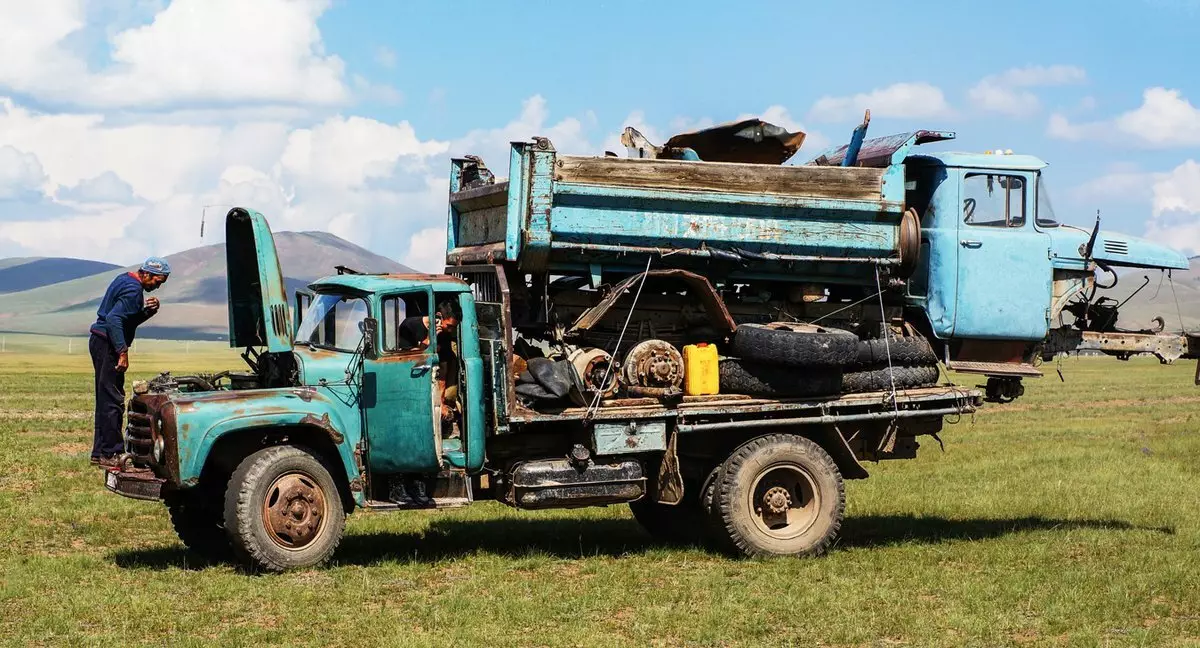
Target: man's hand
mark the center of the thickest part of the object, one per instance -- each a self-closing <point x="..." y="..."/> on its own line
<point x="123" y="362"/>
<point x="152" y="305"/>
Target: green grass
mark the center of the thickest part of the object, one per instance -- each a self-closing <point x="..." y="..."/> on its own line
<point x="1066" y="518"/>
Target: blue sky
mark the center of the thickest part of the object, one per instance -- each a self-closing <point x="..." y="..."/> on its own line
<point x="123" y="118"/>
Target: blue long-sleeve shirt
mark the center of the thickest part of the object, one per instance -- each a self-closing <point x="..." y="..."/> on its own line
<point x="121" y="311"/>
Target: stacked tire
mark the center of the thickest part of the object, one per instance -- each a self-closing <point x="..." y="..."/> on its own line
<point x="788" y="360"/>
<point x="899" y="362"/>
<point x="802" y="360"/>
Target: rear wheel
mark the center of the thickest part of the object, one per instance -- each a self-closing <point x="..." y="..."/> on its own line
<point x="779" y="495"/>
<point x="283" y="510"/>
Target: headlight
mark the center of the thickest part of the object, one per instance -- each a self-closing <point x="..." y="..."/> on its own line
<point x="159" y="445"/>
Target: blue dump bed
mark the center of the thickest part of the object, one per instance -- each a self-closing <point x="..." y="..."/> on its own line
<point x="563" y="214"/>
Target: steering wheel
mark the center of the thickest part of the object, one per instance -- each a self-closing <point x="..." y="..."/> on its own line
<point x="968" y="208"/>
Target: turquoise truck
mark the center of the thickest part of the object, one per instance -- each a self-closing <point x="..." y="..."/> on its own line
<point x="696" y="330"/>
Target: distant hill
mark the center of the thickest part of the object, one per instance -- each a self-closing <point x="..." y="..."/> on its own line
<point x="19" y="274"/>
<point x="194" y="299"/>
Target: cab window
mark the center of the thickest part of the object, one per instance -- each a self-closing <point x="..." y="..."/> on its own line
<point x="405" y="327"/>
<point x="991" y="200"/>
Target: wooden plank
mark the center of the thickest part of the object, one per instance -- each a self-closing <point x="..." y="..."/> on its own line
<point x="844" y="183"/>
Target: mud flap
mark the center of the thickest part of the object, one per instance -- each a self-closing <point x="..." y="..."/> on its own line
<point x="670" y="482"/>
<point x="835" y="444"/>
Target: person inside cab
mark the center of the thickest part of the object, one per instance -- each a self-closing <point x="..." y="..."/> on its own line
<point x="414" y="333"/>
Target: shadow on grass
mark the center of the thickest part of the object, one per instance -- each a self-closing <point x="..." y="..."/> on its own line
<point x="576" y="538"/>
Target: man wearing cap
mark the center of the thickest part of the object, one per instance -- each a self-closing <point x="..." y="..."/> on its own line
<point x="121" y="311"/>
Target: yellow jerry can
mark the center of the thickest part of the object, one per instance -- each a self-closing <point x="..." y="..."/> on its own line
<point x="700" y="376"/>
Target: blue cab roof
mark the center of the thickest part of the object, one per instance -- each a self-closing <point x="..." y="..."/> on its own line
<point x="986" y="160"/>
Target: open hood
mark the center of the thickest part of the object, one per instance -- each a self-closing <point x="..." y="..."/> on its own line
<point x="258" y="304"/>
<point x="1115" y="249"/>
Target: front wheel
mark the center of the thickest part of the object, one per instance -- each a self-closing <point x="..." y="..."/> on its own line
<point x="283" y="510"/>
<point x="779" y="495"/>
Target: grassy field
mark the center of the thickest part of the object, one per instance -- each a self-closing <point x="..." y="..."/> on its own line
<point x="1067" y="518"/>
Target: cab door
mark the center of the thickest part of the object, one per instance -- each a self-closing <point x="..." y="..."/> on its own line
<point x="1004" y="274"/>
<point x="398" y="391"/>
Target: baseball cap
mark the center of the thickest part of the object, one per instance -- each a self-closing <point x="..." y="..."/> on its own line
<point x="157" y="265"/>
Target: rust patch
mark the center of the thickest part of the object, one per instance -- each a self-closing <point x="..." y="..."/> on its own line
<point x="324" y="423"/>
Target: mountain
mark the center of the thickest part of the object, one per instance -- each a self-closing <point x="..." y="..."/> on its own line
<point x="19" y="274"/>
<point x="194" y="305"/>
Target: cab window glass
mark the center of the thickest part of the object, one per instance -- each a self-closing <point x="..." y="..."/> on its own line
<point x="405" y="326"/>
<point x="991" y="200"/>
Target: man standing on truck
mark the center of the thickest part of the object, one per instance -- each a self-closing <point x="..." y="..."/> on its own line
<point x="121" y="311"/>
<point x="414" y="332"/>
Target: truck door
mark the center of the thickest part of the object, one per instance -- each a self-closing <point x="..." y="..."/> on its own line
<point x="1004" y="274"/>
<point x="398" y="391"/>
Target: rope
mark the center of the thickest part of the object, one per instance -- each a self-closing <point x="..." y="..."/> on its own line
<point x="1178" y="310"/>
<point x="887" y="347"/>
<point x="879" y="294"/>
<point x="620" y="338"/>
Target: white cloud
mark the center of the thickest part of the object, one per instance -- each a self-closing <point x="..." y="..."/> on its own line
<point x="1165" y="119"/>
<point x="899" y="100"/>
<point x="1123" y="184"/>
<point x="427" y="250"/>
<point x="1007" y="92"/>
<point x="107" y="187"/>
<point x="493" y="145"/>
<point x="1175" y="219"/>
<point x="21" y="174"/>
<point x="192" y="51"/>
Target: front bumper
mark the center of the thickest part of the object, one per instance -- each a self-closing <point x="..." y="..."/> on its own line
<point x="138" y="483"/>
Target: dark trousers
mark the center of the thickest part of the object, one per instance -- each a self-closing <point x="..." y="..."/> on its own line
<point x="110" y="398"/>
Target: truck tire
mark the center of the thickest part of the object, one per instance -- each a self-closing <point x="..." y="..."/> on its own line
<point x="780" y="495"/>
<point x="905" y="351"/>
<point x="854" y="382"/>
<point x="795" y="345"/>
<point x="757" y="379"/>
<point x="197" y="520"/>
<point x="283" y="510"/>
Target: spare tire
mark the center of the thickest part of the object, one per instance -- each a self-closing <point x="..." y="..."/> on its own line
<point x="758" y="379"/>
<point x="878" y="380"/>
<point x="905" y="351"/>
<point x="795" y="345"/>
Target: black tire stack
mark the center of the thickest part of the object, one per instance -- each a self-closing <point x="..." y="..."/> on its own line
<point x="787" y="360"/>
<point x="800" y="360"/>
<point x="913" y="364"/>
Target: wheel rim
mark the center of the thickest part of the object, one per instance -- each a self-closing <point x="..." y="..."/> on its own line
<point x="784" y="501"/>
<point x="294" y="510"/>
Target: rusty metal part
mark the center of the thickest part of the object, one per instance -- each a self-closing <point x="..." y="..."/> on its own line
<point x="908" y="243"/>
<point x="594" y="366"/>
<point x="878" y="151"/>
<point x="294" y="510"/>
<point x="324" y="424"/>
<point x="653" y="363"/>
<point x="1167" y="348"/>
<point x="698" y="286"/>
<point x="786" y="501"/>
<point x="662" y="393"/>
<point x="750" y="140"/>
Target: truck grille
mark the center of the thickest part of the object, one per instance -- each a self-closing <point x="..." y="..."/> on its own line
<point x="139" y="440"/>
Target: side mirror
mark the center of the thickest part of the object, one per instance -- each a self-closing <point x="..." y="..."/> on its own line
<point x="369" y="327"/>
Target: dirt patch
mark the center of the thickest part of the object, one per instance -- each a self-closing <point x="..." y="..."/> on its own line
<point x="70" y="448"/>
<point x="43" y="415"/>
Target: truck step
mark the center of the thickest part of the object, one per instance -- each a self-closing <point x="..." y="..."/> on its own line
<point x="435" y="503"/>
<point x="994" y="368"/>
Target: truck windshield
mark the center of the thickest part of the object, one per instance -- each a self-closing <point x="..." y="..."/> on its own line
<point x="1045" y="213"/>
<point x="331" y="322"/>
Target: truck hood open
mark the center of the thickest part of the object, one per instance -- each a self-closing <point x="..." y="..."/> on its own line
<point x="1114" y="249"/>
<point x="258" y="304"/>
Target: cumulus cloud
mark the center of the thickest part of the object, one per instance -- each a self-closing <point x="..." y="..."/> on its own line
<point x="1008" y="93"/>
<point x="899" y="100"/>
<point x="107" y="187"/>
<point x="1165" y="119"/>
<point x="21" y="175"/>
<point x="192" y="50"/>
<point x="1175" y="219"/>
